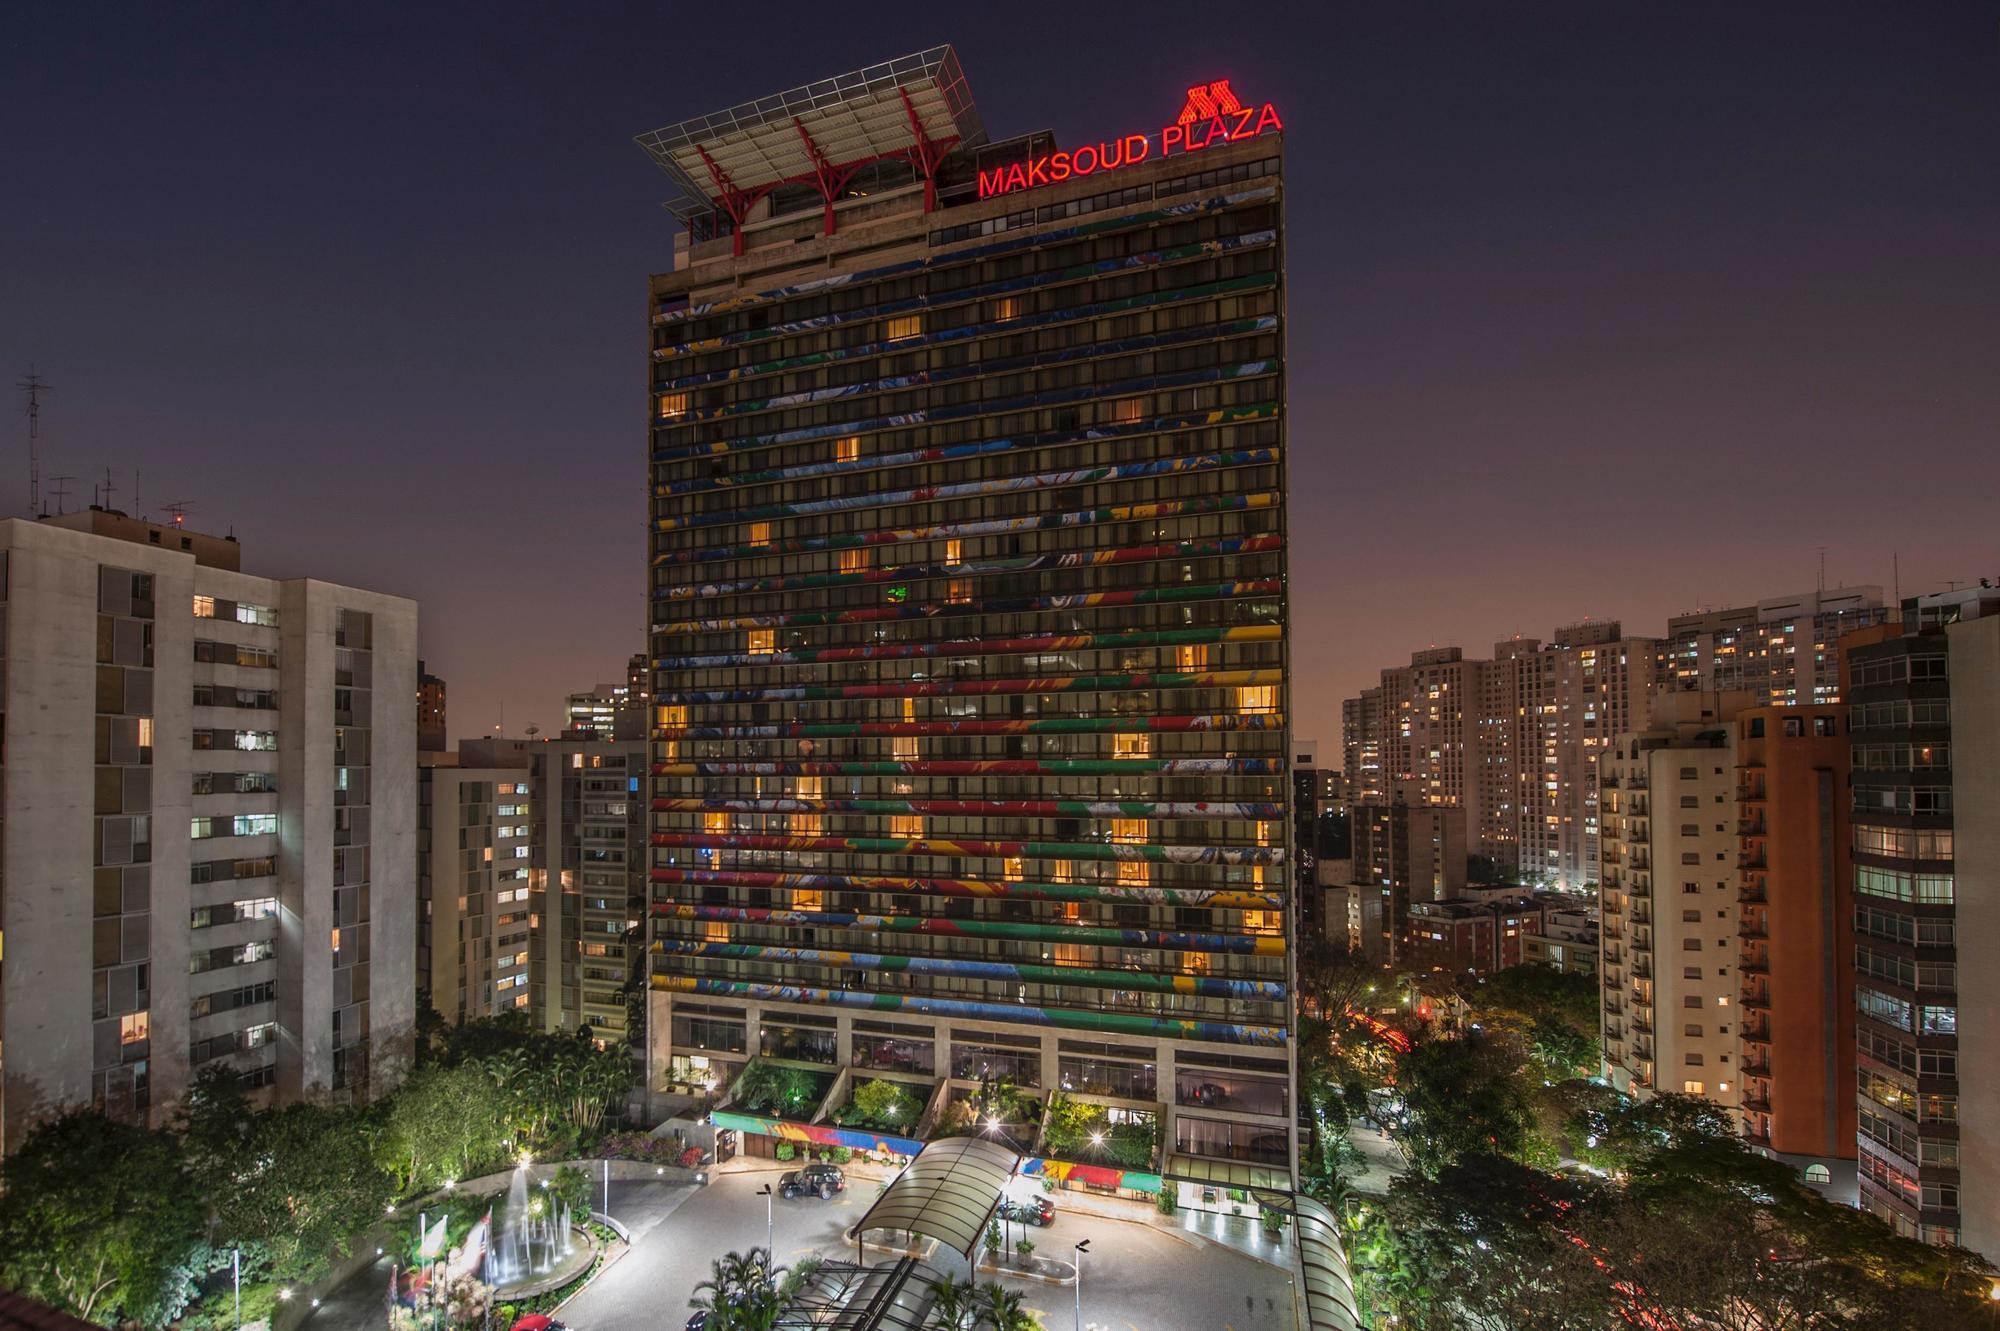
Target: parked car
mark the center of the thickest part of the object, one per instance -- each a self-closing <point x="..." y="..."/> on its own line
<point x="1034" y="1211"/>
<point x="698" y="1322"/>
<point x="821" y="1180"/>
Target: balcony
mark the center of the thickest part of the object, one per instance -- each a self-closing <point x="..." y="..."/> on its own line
<point x="1751" y="858"/>
<point x="1757" y="964"/>
<point x="1752" y="891"/>
<point x="1750" y="826"/>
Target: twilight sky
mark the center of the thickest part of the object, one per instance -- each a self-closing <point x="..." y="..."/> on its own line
<point x="1600" y="310"/>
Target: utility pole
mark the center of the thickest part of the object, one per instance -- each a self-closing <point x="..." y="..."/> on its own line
<point x="34" y="386"/>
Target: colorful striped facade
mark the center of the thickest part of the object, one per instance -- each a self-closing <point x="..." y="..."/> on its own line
<point x="968" y="626"/>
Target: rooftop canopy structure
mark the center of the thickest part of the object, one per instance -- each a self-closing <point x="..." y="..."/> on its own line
<point x="913" y="110"/>
<point x="1328" y="1288"/>
<point x="948" y="1193"/>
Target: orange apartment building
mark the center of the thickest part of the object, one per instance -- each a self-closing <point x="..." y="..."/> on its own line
<point x="1796" y="924"/>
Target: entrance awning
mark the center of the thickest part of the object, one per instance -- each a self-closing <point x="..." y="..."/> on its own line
<point x="1328" y="1288"/>
<point x="948" y="1193"/>
<point x="1229" y="1174"/>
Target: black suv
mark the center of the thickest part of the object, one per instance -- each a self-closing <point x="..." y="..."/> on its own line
<point x="1034" y="1211"/>
<point x="821" y="1180"/>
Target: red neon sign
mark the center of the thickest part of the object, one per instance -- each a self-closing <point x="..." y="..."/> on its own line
<point x="1211" y="115"/>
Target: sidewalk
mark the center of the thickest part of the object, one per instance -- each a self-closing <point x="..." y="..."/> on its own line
<point x="1382" y="1158"/>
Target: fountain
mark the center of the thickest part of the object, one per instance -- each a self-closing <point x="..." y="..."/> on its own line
<point x="532" y="1244"/>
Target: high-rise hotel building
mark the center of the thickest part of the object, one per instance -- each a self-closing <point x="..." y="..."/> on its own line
<point x="969" y="606"/>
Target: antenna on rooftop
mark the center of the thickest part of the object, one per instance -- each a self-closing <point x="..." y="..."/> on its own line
<point x="179" y="510"/>
<point x="1822" y="570"/>
<point x="60" y="485"/>
<point x="34" y="386"/>
<point x="109" y="489"/>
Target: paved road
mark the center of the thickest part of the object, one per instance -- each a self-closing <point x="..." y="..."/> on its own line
<point x="1137" y="1277"/>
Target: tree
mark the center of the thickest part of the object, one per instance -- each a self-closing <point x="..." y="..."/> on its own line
<point x="310" y="1184"/>
<point x="951" y="1305"/>
<point x="884" y="1104"/>
<point x="996" y="1308"/>
<point x="743" y="1292"/>
<point x="1462" y="1096"/>
<point x="100" y="1220"/>
<point x="440" y="1123"/>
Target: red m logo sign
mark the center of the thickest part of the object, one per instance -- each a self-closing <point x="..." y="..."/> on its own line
<point x="1206" y="101"/>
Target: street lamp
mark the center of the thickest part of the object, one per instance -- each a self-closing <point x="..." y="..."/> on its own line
<point x="236" y="1278"/>
<point x="1082" y="1247"/>
<point x="768" y="1204"/>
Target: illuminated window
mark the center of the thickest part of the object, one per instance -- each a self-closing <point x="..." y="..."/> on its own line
<point x="808" y="898"/>
<point x="1134" y="873"/>
<point x="204" y="607"/>
<point x="1127" y="411"/>
<point x="145" y="732"/>
<point x="1257" y="699"/>
<point x="1128" y="831"/>
<point x="715" y="931"/>
<point x="1131" y="746"/>
<point x="1011" y="868"/>
<point x="909" y="710"/>
<point x="763" y="642"/>
<point x="906" y="826"/>
<point x="1191" y="656"/>
<point x="958" y="591"/>
<point x="903" y="326"/>
<point x="134" y="1027"/>
<point x="809" y="787"/>
<point x="954" y="552"/>
<point x="1263" y="834"/>
<point x="1061" y="871"/>
<point x="760" y="533"/>
<point x="715" y="824"/>
<point x="847" y="449"/>
<point x="1260" y="921"/>
<point x="808" y="824"/>
<point x="853" y="561"/>
<point x="1194" y="963"/>
<point x="1693" y="1087"/>
<point x="336" y="940"/>
<point x="1007" y="307"/>
<point x="673" y="406"/>
<point x="670" y="718"/>
<point x="903" y="748"/>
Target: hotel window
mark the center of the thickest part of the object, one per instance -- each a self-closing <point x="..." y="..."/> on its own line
<point x="1263" y="834"/>
<point x="1061" y="871"/>
<point x="134" y="1027"/>
<point x="1692" y="1087"/>
<point x="1131" y="746"/>
<point x="715" y="824"/>
<point x="958" y="591"/>
<point x="903" y="326"/>
<point x="1128" y="831"/>
<point x="760" y="533"/>
<point x="1134" y="873"/>
<point x="853" y="561"/>
<point x="903" y="748"/>
<point x="906" y="826"/>
<point x="1260" y="921"/>
<point x="809" y="787"/>
<point x="1257" y="699"/>
<point x="1011" y="868"/>
<point x="808" y="824"/>
<point x="909" y="710"/>
<point x="808" y="898"/>
<point x="1007" y="307"/>
<point x="673" y="406"/>
<point x="954" y="552"/>
<point x="1191" y="656"/>
<point x="1127" y="411"/>
<point x="847" y="449"/>
<point x="763" y="642"/>
<point x="715" y="931"/>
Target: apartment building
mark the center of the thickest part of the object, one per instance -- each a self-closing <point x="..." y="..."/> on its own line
<point x="1569" y="940"/>
<point x="1783" y="651"/>
<point x="1670" y="904"/>
<point x="588" y="887"/>
<point x="1907" y="706"/>
<point x="228" y="763"/>
<point x="1972" y="635"/>
<point x="431" y="724"/>
<point x="1796" y="924"/>
<point x="1414" y="853"/>
<point x="969" y="607"/>
<point x="473" y="880"/>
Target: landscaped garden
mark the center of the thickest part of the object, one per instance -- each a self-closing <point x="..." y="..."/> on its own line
<point x="116" y="1223"/>
<point x="779" y="1090"/>
<point x="1086" y="1133"/>
<point x="995" y="1108"/>
<point x="880" y="1105"/>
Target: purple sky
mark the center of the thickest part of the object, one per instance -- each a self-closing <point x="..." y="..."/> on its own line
<point x="1594" y="309"/>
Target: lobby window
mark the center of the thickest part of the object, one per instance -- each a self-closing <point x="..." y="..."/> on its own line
<point x="903" y="327"/>
<point x="673" y="406"/>
<point x="763" y="642"/>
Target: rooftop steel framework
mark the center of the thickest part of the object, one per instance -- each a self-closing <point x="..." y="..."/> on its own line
<point x="916" y="108"/>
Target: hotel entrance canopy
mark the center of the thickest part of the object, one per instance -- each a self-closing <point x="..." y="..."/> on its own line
<point x="948" y="1193"/>
<point x="915" y="109"/>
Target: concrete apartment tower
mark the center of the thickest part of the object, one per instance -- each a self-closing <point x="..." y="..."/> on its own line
<point x="207" y="845"/>
<point x="969" y="611"/>
<point x="474" y="879"/>
<point x="1669" y="896"/>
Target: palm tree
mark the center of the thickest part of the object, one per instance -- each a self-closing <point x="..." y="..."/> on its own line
<point x="999" y="1310"/>
<point x="951" y="1306"/>
<point x="741" y="1293"/>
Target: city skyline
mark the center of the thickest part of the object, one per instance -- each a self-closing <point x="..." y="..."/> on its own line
<point x="1584" y="321"/>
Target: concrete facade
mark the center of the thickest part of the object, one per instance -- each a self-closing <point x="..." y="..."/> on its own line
<point x="474" y="883"/>
<point x="199" y="791"/>
<point x="1975" y="688"/>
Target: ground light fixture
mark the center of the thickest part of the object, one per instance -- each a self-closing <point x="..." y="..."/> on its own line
<point x="1082" y="1247"/>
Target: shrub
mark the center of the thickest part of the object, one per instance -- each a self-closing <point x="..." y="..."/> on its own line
<point x="1166" y="1203"/>
<point x="840" y="1155"/>
<point x="786" y="1151"/>
<point x="1273" y="1221"/>
<point x="690" y="1157"/>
